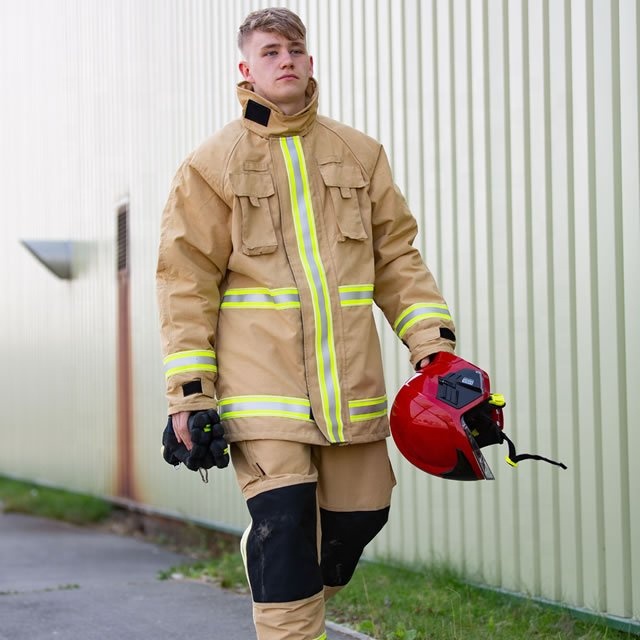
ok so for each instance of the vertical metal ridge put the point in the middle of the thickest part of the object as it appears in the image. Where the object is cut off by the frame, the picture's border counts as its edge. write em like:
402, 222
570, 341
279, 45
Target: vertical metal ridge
512, 368
455, 213
471, 203
593, 311
551, 293
531, 350
573, 304
436, 129
623, 465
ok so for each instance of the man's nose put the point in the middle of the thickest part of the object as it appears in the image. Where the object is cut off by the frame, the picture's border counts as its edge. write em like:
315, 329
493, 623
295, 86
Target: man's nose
286, 60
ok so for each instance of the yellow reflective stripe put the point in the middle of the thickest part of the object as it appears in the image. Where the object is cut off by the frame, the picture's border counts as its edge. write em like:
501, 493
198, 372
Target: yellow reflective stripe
352, 295
190, 367
321, 637
367, 408
261, 298
192, 360
307, 240
263, 290
264, 405
416, 313
189, 354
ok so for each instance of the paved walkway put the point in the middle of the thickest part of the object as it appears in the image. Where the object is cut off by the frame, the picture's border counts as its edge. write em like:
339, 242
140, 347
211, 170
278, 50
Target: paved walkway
77, 583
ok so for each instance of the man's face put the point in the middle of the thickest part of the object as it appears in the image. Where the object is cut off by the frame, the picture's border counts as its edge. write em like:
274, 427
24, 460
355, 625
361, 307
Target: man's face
279, 69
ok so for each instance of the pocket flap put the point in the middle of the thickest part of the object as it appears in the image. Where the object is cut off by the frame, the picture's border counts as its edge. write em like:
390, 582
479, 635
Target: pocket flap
336, 174
252, 185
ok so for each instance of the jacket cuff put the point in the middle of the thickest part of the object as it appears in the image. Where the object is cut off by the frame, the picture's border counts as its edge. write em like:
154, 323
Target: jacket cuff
189, 392
426, 342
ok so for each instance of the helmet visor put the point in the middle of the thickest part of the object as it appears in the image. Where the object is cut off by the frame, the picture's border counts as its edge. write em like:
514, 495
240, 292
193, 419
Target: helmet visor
480, 459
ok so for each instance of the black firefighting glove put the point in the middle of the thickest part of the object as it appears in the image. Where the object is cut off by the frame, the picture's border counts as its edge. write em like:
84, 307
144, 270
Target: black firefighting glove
207, 436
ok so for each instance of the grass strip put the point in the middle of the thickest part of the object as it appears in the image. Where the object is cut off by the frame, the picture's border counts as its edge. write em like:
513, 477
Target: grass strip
17, 496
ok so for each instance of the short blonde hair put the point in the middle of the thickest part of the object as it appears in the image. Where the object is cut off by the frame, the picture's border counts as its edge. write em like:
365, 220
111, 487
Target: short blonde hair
276, 20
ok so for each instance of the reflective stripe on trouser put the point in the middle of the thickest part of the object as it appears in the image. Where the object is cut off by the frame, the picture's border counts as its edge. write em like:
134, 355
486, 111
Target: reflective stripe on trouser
286, 485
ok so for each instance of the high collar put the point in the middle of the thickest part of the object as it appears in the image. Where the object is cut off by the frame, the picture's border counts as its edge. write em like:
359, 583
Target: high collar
267, 120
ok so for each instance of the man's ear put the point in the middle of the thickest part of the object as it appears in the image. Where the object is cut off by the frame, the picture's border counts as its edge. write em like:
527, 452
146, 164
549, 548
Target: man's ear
245, 71
311, 64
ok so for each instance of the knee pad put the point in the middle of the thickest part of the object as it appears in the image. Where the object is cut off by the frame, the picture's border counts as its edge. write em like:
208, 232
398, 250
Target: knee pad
344, 537
281, 550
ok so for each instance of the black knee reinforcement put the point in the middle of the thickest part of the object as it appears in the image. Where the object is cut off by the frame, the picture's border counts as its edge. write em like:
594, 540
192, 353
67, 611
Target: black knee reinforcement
282, 552
344, 537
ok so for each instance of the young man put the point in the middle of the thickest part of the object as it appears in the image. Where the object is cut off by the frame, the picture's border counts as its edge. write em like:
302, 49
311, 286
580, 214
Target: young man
279, 234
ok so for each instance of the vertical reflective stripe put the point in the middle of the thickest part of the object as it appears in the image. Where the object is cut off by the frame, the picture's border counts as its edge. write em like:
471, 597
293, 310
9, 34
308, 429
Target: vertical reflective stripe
356, 295
193, 360
307, 240
417, 312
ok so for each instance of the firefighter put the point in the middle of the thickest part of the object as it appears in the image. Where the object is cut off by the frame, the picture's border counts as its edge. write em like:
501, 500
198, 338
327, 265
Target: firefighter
280, 233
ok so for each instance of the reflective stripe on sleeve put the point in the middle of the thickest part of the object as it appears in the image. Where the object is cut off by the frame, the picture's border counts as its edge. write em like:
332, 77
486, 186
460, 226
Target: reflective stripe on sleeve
309, 251
182, 361
417, 312
260, 298
264, 406
352, 295
368, 408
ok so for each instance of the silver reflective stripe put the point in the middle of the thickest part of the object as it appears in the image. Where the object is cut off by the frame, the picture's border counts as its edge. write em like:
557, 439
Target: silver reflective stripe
261, 299
417, 312
194, 360
308, 248
368, 408
356, 295
261, 406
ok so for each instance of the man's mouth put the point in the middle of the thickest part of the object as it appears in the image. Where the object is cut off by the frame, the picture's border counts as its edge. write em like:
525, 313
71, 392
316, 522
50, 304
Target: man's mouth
289, 76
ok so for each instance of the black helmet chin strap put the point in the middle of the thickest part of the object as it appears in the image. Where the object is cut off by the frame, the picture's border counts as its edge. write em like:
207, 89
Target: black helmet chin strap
513, 458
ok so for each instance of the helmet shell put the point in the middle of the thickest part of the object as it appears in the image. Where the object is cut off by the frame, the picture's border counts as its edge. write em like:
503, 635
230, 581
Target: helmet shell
428, 418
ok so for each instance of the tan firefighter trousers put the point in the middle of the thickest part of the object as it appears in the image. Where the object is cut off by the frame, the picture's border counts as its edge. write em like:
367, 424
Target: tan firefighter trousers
313, 509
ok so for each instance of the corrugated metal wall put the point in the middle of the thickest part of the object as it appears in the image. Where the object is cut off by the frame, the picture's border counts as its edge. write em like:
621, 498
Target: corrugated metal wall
513, 129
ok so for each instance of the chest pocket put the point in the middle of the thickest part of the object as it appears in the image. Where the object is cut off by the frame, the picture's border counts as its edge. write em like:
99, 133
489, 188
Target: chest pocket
346, 186
253, 191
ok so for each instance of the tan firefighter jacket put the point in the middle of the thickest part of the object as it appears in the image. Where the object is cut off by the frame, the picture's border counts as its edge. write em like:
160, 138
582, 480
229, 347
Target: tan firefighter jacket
279, 234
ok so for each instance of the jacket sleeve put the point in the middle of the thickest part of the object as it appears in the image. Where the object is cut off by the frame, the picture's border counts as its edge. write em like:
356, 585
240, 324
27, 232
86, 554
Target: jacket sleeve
195, 243
405, 289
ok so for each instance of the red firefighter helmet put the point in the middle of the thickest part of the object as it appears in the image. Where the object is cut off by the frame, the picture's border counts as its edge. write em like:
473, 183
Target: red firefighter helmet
444, 415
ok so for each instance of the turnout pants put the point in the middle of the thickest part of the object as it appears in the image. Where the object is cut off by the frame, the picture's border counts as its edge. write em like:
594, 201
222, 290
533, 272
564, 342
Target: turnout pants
313, 510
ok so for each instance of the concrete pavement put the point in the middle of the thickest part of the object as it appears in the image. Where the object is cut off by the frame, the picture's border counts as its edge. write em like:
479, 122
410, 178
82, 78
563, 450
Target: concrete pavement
78, 583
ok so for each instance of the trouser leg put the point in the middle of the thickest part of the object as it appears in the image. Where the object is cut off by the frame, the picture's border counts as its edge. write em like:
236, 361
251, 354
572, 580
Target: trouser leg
281, 546
354, 493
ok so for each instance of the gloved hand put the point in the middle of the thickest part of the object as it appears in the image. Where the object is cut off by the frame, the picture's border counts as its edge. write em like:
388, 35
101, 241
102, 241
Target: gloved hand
209, 446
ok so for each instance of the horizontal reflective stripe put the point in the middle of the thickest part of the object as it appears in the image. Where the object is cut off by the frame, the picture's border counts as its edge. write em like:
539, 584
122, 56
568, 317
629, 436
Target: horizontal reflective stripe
417, 312
321, 637
356, 295
194, 360
261, 406
260, 298
368, 408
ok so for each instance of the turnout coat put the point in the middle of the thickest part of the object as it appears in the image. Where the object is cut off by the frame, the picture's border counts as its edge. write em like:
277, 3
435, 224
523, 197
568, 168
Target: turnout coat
279, 235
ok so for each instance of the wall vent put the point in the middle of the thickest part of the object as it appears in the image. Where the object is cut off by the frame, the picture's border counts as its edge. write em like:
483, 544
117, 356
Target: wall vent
123, 238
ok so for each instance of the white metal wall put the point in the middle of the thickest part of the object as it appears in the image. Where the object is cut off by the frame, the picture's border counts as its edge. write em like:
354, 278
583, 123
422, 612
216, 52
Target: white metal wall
513, 129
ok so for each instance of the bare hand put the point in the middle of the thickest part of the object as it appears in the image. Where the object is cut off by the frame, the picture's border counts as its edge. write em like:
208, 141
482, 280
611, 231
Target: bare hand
424, 362
181, 428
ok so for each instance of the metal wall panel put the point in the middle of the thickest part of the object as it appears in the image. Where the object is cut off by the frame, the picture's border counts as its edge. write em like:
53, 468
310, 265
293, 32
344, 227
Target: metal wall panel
513, 130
